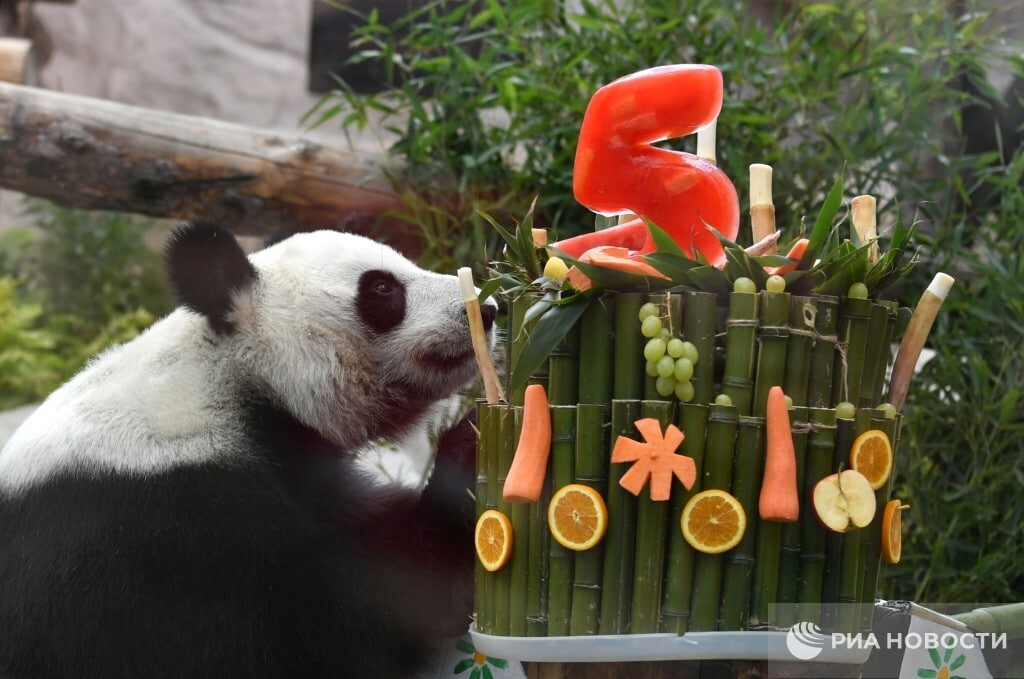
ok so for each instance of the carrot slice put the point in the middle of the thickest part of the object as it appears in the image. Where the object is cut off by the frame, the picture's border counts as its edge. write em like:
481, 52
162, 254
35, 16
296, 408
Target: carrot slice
655, 459
525, 479
795, 253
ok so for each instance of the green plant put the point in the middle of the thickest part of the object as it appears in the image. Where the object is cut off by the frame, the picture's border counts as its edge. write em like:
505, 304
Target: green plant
29, 365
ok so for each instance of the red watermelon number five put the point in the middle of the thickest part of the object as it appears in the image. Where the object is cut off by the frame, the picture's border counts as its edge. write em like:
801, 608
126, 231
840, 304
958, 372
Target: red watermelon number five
618, 170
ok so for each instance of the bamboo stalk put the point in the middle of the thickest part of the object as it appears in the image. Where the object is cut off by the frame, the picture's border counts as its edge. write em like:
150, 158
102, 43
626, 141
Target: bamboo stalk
617, 578
487, 438
564, 370
823, 354
852, 567
740, 338
699, 328
595, 347
862, 214
803, 312
717, 473
915, 336
503, 577
560, 565
853, 333
519, 563
706, 138
591, 470
789, 555
871, 541
514, 339
831, 584
762, 208
892, 309
628, 378
675, 607
649, 552
737, 578
773, 341
538, 577
481, 347
876, 352
818, 465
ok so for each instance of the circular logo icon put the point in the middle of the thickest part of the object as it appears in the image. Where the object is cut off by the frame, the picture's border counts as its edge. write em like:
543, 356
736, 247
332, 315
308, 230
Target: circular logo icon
805, 641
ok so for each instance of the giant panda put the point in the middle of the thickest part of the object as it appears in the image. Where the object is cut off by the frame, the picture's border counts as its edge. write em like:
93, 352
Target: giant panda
185, 505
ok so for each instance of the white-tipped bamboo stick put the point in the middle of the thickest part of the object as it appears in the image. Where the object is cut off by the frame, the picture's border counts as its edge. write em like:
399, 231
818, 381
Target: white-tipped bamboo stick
762, 207
481, 348
707, 140
915, 336
865, 221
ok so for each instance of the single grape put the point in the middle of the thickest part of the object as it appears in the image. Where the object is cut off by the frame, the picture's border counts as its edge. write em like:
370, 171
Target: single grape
744, 285
651, 326
775, 284
682, 369
652, 368
654, 349
665, 366
723, 400
665, 386
690, 352
648, 309
675, 347
888, 409
685, 391
665, 334
789, 401
845, 410
857, 291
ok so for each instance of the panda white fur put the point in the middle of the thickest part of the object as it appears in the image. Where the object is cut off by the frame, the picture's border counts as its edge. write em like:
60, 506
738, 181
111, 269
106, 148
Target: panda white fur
183, 507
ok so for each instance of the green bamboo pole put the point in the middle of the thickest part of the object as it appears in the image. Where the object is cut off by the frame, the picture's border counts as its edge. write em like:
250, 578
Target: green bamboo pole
851, 570
617, 578
649, 550
561, 561
871, 542
564, 370
737, 578
876, 351
717, 474
892, 309
740, 338
503, 578
789, 555
538, 577
591, 470
628, 378
675, 607
823, 353
818, 465
519, 562
773, 342
699, 328
832, 583
803, 312
515, 344
595, 350
854, 317
483, 594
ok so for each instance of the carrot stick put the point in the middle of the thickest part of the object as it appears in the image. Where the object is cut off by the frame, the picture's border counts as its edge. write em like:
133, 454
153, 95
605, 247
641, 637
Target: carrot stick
780, 498
525, 479
482, 349
795, 253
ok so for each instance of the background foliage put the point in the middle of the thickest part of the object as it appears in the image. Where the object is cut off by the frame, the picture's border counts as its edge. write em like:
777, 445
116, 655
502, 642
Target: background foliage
487, 99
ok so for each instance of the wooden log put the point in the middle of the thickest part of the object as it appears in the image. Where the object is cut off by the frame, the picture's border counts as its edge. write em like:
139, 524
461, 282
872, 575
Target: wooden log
99, 155
16, 61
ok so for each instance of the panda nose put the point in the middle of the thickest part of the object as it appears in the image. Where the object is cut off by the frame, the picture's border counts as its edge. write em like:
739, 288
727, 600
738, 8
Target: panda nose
488, 312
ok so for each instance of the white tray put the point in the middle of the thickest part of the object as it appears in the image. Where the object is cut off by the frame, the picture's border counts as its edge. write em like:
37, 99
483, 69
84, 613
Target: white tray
652, 647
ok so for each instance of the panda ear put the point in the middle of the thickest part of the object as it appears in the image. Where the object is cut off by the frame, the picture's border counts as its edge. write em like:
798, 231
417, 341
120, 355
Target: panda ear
209, 271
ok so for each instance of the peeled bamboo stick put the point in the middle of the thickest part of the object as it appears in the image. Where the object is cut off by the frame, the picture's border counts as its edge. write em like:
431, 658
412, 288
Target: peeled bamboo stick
915, 336
706, 142
862, 214
481, 348
762, 208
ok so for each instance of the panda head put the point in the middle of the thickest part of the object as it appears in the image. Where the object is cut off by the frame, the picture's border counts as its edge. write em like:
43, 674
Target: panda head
342, 333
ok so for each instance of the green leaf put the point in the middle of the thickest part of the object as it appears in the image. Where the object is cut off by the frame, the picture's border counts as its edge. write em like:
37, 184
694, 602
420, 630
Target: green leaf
463, 665
936, 658
823, 224
959, 662
664, 242
487, 672
676, 267
926, 674
488, 288
498, 662
551, 328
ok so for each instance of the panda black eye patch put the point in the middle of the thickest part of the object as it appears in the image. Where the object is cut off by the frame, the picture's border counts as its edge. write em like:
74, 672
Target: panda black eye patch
381, 300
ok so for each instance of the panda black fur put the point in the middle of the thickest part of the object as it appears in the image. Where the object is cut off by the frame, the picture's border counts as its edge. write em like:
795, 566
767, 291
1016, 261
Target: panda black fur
185, 507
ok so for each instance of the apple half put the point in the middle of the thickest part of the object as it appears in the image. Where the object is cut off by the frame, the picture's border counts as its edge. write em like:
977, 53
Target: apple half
844, 501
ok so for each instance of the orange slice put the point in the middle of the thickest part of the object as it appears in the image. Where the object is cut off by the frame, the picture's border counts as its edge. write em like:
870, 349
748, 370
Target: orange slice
577, 517
493, 538
871, 455
892, 534
713, 521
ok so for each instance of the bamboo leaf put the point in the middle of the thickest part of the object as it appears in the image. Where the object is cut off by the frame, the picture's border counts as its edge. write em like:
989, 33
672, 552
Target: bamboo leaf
664, 242
710, 279
823, 224
488, 288
549, 331
676, 267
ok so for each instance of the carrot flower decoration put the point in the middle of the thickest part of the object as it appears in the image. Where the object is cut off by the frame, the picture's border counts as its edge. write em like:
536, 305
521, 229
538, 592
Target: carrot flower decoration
655, 458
